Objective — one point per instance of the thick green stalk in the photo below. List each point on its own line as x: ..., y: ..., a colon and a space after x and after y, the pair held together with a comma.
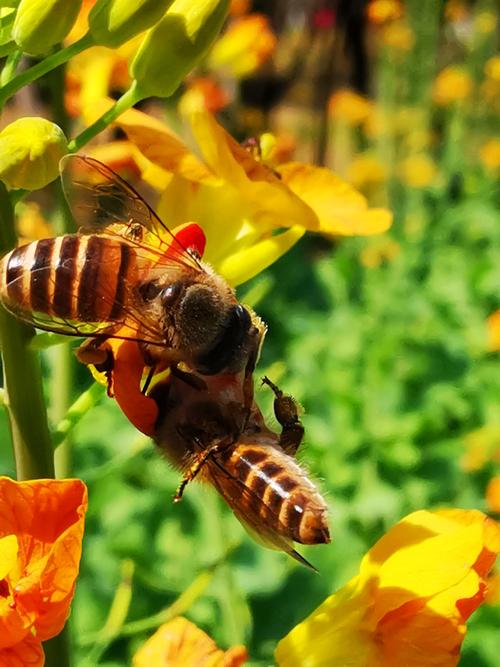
x: 126, y: 101
x: 43, y: 67
x: 22, y: 378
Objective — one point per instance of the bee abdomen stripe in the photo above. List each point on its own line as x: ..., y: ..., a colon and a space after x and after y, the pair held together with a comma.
x: 14, y: 274
x: 293, y: 512
x: 65, y: 275
x: 89, y: 278
x: 121, y: 281
x: 277, y: 494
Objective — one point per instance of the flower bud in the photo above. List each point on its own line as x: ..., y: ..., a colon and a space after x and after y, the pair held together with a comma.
x: 176, y: 44
x: 40, y: 24
x: 30, y: 150
x: 113, y: 22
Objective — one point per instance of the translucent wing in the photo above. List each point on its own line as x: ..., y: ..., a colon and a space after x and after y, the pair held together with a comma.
x: 103, y: 202
x: 245, y: 504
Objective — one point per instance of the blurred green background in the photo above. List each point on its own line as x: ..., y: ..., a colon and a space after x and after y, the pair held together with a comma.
x: 385, y: 342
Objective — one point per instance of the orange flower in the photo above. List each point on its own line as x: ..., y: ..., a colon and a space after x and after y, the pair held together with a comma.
x: 180, y: 643
x: 493, y: 494
x: 349, y: 107
x: 408, y: 606
x: 205, y: 93
x: 398, y: 36
x: 381, y: 11
x: 452, y: 84
x: 41, y: 530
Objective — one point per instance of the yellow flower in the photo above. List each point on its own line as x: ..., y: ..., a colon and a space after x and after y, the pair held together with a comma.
x: 349, y: 107
x: 381, y: 11
x: 366, y: 170
x: 250, y: 214
x: 485, y: 23
x: 179, y: 643
x: 398, y: 36
x: 205, y: 93
x: 408, y: 606
x: 244, y: 47
x: 452, y: 84
x: 490, y: 156
x: 481, y: 446
x: 492, y: 69
x: 417, y: 171
x: 493, y: 330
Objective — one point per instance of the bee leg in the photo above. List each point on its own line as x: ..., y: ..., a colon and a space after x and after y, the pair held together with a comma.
x: 199, y: 461
x: 287, y: 415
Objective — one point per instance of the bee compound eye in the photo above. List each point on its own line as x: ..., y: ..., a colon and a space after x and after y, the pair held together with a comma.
x: 170, y: 294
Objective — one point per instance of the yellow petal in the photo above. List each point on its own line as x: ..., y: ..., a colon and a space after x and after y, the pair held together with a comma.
x: 342, y: 211
x: 8, y: 554
x: 334, y: 634
x: 247, y: 263
x: 269, y: 200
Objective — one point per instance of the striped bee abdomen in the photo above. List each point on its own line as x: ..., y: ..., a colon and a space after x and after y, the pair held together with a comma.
x: 71, y: 277
x: 274, y: 487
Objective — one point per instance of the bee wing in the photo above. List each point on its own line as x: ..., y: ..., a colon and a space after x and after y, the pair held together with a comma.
x: 61, y: 299
x: 102, y: 201
x: 245, y: 504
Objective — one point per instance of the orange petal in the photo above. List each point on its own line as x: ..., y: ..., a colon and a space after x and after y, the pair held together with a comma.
x: 342, y: 211
x: 28, y: 653
x: 47, y: 517
x: 180, y: 643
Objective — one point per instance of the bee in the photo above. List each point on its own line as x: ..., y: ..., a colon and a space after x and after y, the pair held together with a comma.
x: 125, y: 275
x: 206, y: 433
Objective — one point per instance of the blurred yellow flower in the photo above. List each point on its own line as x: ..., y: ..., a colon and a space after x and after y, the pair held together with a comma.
x: 381, y: 11
x: 398, y: 36
x: 348, y: 107
x: 366, y: 170
x: 180, y: 643
x: 481, y: 447
x: 493, y: 494
x: 492, y: 68
x: 31, y: 224
x: 485, y: 22
x: 418, y: 171
x: 377, y: 253
x: 452, y: 84
x: 250, y: 214
x: 493, y: 591
x: 408, y: 606
x: 244, y: 47
x: 493, y: 331
x: 490, y: 157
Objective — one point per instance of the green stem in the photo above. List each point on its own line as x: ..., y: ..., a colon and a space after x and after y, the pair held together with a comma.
x: 10, y: 66
x: 58, y: 650
x: 43, y: 67
x: 23, y: 379
x: 126, y: 101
